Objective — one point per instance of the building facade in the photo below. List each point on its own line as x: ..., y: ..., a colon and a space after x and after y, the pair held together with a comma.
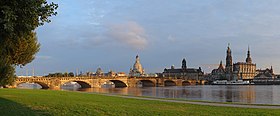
x: 266, y: 77
x: 219, y: 73
x: 245, y: 70
x: 229, y: 65
x: 183, y: 72
x: 235, y: 71
x: 137, y: 69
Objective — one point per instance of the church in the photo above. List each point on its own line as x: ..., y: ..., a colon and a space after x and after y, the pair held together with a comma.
x: 237, y: 71
x: 137, y: 69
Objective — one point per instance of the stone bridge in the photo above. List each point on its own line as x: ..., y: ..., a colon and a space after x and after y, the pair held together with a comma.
x: 89, y: 82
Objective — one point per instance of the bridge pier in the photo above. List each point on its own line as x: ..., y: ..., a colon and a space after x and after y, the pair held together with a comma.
x: 54, y: 87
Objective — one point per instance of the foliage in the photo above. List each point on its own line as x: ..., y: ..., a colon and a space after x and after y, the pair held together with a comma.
x: 47, y: 102
x: 22, y: 16
x: 6, y: 71
x: 71, y: 74
x: 59, y: 74
x: 18, y: 41
x: 20, y: 50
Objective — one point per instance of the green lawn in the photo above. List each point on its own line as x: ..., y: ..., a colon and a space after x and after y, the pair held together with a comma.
x: 49, y: 102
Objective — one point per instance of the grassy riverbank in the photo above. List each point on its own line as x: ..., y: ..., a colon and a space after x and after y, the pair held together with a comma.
x: 48, y: 102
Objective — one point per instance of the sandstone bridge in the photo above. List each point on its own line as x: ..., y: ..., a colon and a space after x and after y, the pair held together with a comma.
x: 90, y: 82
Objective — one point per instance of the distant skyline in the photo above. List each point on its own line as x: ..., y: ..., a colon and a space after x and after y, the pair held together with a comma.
x: 109, y: 34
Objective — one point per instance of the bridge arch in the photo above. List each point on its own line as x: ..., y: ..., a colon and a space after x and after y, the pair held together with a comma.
x: 186, y: 83
x: 169, y: 83
x: 83, y: 84
x: 42, y: 84
x: 145, y: 83
x: 119, y: 84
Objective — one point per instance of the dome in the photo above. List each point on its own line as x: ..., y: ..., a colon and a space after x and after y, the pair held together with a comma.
x: 99, y: 71
x: 137, y: 67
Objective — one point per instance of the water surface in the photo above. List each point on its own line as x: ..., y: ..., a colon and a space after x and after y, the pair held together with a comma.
x: 253, y: 94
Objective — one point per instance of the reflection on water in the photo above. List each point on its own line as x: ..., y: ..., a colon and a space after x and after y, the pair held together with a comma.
x: 255, y: 94
x: 216, y: 93
x: 29, y: 86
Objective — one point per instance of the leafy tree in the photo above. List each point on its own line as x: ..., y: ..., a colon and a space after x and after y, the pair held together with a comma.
x: 20, y: 50
x: 71, y: 74
x: 18, y: 41
x: 6, y: 71
x: 59, y: 75
x: 65, y: 74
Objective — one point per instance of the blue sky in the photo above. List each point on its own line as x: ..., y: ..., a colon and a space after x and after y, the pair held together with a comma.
x: 88, y: 34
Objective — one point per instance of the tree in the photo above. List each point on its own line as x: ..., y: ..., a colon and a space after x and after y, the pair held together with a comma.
x: 6, y: 71
x: 71, y: 74
x: 18, y: 41
x: 21, y: 50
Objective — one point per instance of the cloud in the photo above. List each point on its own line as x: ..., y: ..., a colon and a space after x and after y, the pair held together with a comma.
x: 171, y: 38
x: 130, y: 34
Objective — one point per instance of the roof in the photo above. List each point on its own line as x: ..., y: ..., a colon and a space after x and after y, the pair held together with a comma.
x: 243, y: 63
x: 219, y: 70
x: 264, y: 74
x: 188, y: 70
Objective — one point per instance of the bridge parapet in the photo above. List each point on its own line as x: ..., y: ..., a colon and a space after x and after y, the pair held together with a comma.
x: 97, y: 81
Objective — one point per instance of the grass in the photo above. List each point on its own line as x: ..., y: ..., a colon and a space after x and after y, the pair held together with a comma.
x: 49, y: 102
x: 205, y: 101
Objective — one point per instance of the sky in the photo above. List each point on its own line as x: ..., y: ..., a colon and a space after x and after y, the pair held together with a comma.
x: 87, y: 34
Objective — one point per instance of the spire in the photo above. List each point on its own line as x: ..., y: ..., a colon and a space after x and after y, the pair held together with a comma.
x: 184, y: 64
x: 271, y: 69
x: 137, y: 59
x: 228, y: 48
x: 248, y: 54
x: 221, y: 64
x: 248, y: 59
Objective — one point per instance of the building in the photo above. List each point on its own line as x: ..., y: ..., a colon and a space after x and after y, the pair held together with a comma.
x: 235, y: 71
x: 99, y: 72
x: 137, y: 69
x: 267, y: 70
x: 219, y: 73
x: 229, y: 65
x: 245, y: 70
x: 265, y: 76
x: 111, y: 74
x: 121, y: 74
x: 183, y: 72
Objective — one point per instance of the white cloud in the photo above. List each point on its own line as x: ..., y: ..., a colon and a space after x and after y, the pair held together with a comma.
x: 171, y: 38
x: 129, y: 33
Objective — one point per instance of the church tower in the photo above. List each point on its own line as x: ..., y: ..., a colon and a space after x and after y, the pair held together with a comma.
x: 248, y: 59
x: 221, y: 65
x: 184, y: 64
x: 229, y: 65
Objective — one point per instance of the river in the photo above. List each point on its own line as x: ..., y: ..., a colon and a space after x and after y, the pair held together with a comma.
x: 252, y: 94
